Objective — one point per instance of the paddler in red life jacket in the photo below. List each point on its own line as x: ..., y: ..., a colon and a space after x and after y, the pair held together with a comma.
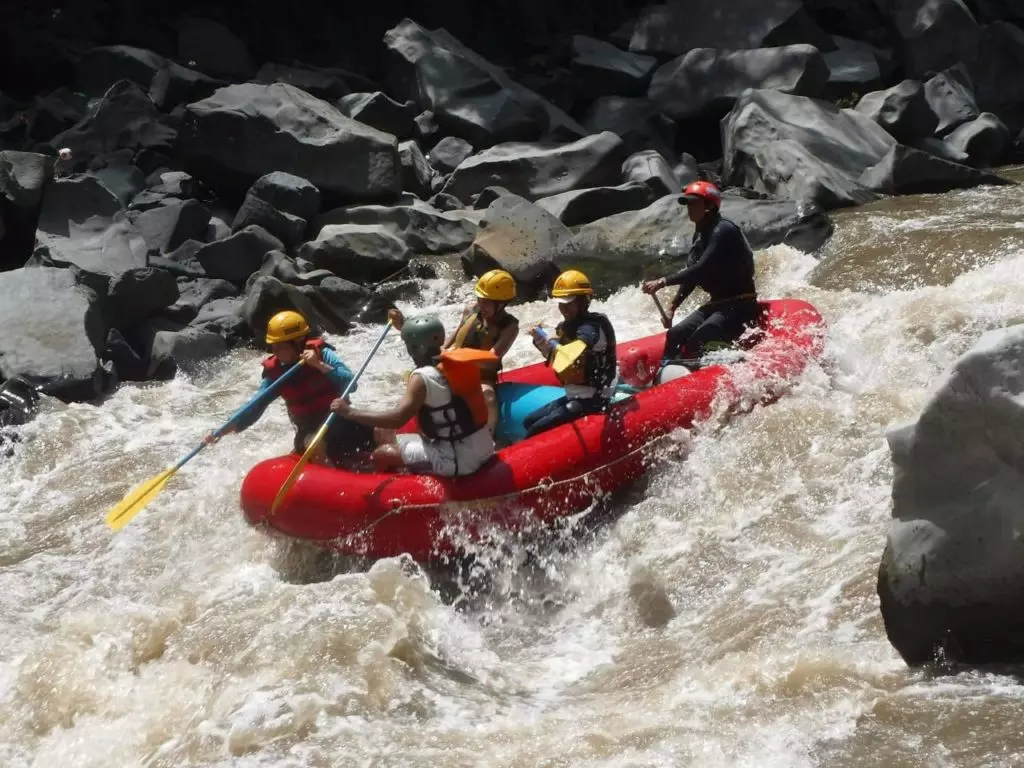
x: 444, y: 393
x: 309, y: 393
x: 581, y: 353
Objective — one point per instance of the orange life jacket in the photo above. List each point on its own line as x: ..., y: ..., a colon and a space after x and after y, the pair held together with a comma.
x: 466, y: 412
x: 309, y: 392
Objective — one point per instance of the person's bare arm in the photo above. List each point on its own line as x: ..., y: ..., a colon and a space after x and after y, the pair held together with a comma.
x: 411, y: 402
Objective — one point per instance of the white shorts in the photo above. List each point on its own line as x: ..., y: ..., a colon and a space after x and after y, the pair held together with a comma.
x: 439, y: 457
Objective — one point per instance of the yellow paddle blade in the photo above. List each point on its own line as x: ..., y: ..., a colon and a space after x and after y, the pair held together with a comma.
x: 139, y: 497
x: 294, y: 476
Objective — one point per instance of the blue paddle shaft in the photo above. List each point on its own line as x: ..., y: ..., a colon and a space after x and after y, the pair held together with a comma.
x: 262, y: 397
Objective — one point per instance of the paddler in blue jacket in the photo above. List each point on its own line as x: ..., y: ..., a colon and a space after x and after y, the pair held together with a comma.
x: 581, y: 353
x: 310, y: 392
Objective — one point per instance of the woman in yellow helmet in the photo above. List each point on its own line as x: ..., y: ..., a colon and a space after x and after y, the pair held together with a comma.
x: 487, y: 325
x: 309, y: 393
x: 581, y: 352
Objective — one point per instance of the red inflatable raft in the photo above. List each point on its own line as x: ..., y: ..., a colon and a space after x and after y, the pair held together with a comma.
x: 554, y: 474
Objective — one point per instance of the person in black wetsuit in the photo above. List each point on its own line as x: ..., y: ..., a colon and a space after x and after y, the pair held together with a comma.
x: 722, y: 263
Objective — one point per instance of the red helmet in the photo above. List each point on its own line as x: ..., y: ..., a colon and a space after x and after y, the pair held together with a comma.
x: 637, y: 367
x: 705, y: 190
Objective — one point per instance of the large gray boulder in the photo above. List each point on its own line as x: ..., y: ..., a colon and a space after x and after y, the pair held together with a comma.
x: 23, y: 175
x: 424, y: 229
x: 82, y: 226
x: 243, y: 132
x: 468, y: 96
x: 520, y: 237
x: 125, y: 120
x: 361, y: 253
x: 707, y: 81
x: 678, y: 26
x: 951, y: 579
x: 167, y: 83
x: 902, y: 110
x: 540, y: 170
x: 54, y: 332
x: 791, y: 147
x: 600, y: 68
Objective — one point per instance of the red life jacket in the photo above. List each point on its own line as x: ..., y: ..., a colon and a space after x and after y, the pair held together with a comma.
x: 309, y: 392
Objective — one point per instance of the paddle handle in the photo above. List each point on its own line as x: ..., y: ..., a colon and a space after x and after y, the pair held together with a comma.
x: 665, y: 319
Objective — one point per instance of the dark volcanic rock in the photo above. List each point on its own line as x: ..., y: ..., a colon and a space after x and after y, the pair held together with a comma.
x: 682, y: 25
x: 601, y: 69
x: 55, y: 332
x: 167, y: 83
x: 214, y: 49
x: 243, y: 132
x: 23, y: 176
x: 540, y: 170
x: 637, y: 122
x: 707, y: 81
x: 810, y: 151
x: 423, y: 228
x: 124, y: 119
x: 381, y: 112
x: 468, y: 96
x: 902, y: 110
x: 950, y: 580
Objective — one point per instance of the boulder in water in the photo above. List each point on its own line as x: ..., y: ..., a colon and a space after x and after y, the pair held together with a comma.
x: 950, y: 94
x: 951, y: 579
x: 902, y: 110
x: 55, y: 332
x: 801, y: 149
x: 985, y: 140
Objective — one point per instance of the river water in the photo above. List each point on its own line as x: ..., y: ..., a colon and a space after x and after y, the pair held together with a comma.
x: 726, y: 617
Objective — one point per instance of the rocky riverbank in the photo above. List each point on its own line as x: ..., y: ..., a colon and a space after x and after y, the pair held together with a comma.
x: 215, y: 178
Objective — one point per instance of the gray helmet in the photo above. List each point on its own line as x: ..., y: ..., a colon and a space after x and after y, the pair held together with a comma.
x: 423, y: 332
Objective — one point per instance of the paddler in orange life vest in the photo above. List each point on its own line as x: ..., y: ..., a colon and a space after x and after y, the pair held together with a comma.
x: 444, y: 393
x: 309, y: 393
x: 581, y: 353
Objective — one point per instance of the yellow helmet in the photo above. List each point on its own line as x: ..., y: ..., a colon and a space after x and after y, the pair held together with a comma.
x: 496, y: 285
x: 572, y: 282
x: 285, y: 326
